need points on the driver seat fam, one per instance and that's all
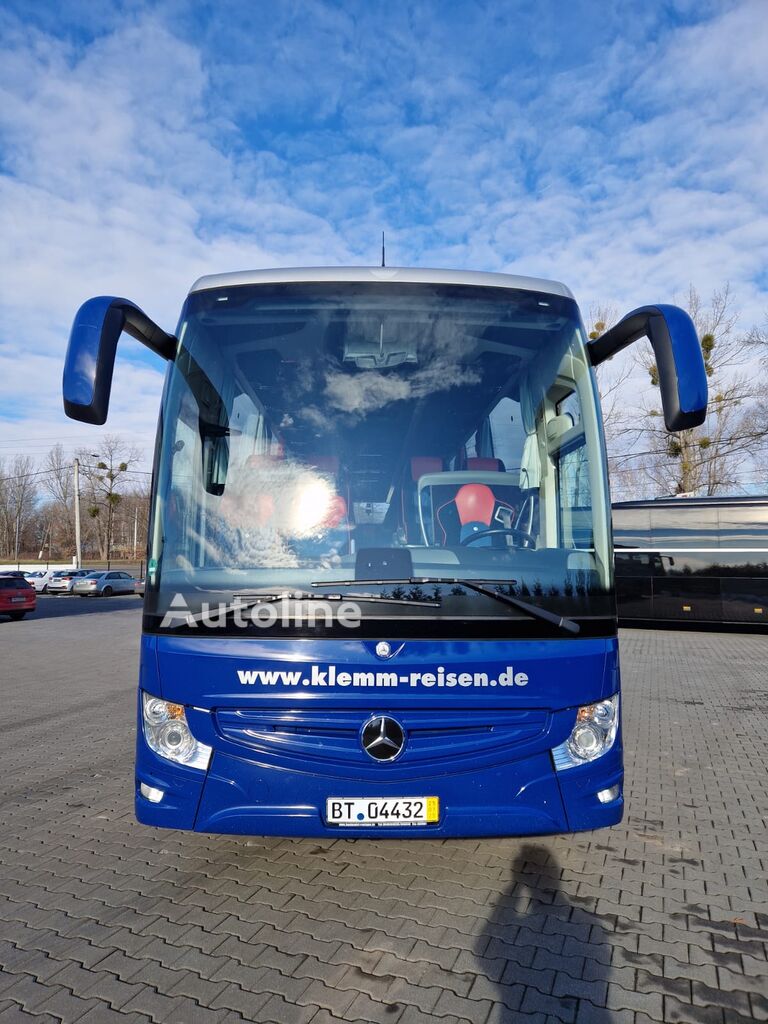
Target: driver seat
(470, 511)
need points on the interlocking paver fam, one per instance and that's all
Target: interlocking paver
(363, 1008)
(67, 1007)
(241, 1001)
(664, 918)
(12, 1013)
(30, 994)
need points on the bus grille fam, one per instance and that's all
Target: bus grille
(329, 741)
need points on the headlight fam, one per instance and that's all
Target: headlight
(167, 733)
(592, 736)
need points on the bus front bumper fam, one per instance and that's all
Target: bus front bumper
(242, 797)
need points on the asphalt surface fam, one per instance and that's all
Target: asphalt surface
(54, 606)
(663, 918)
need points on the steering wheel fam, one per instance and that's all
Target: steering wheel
(510, 531)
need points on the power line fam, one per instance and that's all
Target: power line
(24, 476)
(45, 437)
(47, 472)
(64, 444)
(717, 447)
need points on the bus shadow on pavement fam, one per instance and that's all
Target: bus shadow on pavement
(545, 956)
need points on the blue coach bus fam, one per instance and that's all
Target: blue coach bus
(380, 572)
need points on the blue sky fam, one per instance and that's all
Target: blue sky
(620, 147)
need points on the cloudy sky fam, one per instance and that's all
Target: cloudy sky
(619, 147)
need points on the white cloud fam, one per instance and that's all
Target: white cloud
(165, 147)
(112, 181)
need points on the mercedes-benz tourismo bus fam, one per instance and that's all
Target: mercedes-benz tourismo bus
(380, 592)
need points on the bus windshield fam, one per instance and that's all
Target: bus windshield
(374, 435)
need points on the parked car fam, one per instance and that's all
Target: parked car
(138, 587)
(53, 576)
(18, 573)
(17, 597)
(39, 580)
(104, 584)
(62, 580)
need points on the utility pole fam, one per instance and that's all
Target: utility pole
(78, 548)
(46, 540)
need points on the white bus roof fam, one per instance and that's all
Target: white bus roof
(394, 274)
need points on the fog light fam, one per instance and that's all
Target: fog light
(150, 793)
(607, 796)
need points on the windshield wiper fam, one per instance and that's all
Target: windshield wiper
(480, 587)
(249, 600)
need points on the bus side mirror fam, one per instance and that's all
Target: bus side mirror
(91, 351)
(682, 377)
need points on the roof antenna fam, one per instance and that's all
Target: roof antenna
(383, 259)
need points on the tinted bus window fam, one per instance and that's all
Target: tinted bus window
(684, 526)
(744, 526)
(632, 527)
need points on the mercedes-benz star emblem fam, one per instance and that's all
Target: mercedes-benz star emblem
(382, 738)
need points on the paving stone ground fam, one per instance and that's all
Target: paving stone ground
(663, 918)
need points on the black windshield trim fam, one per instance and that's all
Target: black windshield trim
(455, 629)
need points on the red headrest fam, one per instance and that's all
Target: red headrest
(337, 512)
(486, 465)
(421, 464)
(475, 504)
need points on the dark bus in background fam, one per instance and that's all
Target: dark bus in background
(701, 560)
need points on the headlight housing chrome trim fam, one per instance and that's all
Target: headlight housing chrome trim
(593, 735)
(167, 733)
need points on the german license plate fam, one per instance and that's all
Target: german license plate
(18, 600)
(405, 810)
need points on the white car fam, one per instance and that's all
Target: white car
(62, 580)
(41, 579)
(35, 579)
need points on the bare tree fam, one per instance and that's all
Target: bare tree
(130, 522)
(709, 458)
(58, 483)
(757, 421)
(620, 421)
(18, 497)
(104, 486)
(4, 506)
